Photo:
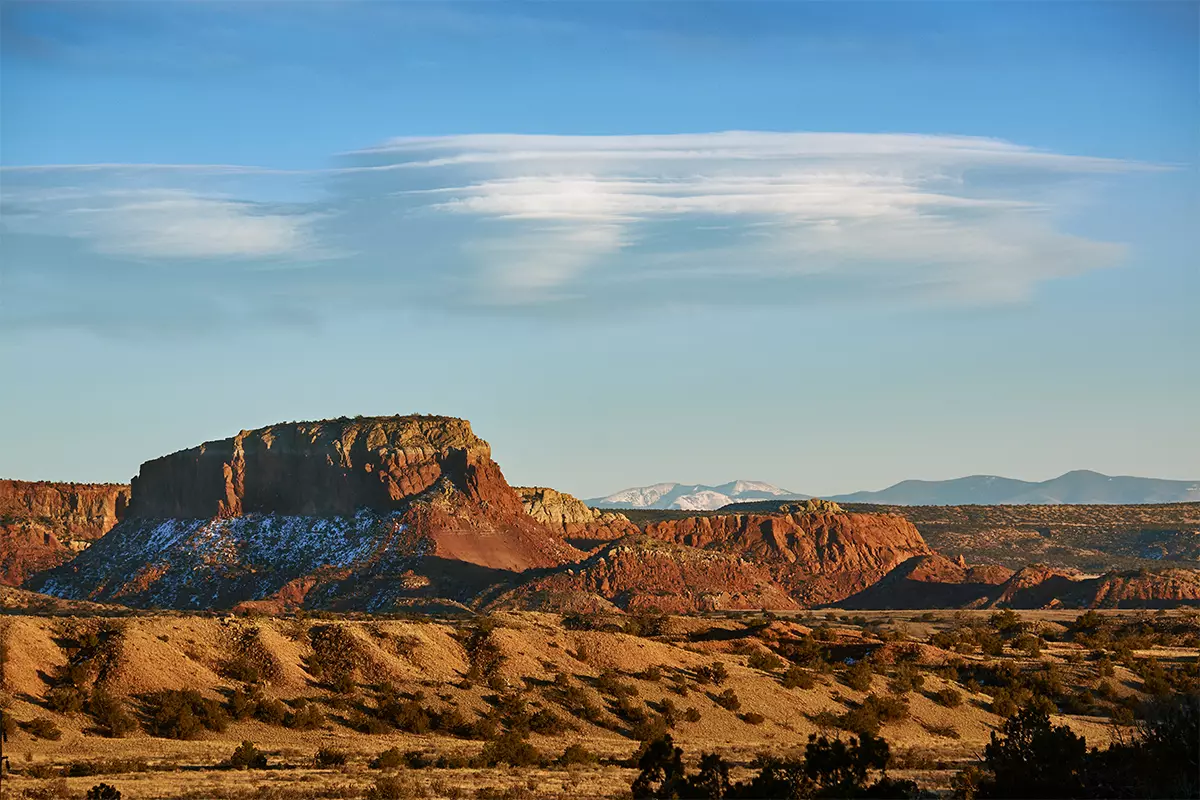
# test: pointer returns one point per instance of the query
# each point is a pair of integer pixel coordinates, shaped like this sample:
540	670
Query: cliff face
45	524
577	522
818	557
328	467
348	514
639	572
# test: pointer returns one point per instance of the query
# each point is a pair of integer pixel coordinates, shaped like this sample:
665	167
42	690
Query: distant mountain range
694	496
1074	488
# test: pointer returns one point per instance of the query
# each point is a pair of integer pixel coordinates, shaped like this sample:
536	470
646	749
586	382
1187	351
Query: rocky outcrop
1166	588
44	524
930	581
640	572
342	514
1037	586
818	557
579	524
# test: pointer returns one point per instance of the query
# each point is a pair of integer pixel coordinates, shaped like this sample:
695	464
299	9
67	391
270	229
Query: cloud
159	223
530	224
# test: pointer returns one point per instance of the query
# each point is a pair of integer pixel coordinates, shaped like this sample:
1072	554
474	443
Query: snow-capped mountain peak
693	496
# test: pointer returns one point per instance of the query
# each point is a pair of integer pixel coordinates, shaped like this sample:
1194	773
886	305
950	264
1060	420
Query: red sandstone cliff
818	557
45	524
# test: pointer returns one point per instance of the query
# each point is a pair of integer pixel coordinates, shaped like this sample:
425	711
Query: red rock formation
930	581
45	524
580	525
640	572
327	467
1038	586
818	557
330	514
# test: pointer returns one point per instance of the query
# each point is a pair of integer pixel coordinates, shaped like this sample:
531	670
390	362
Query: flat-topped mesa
325	467
347	514
85	510
44	524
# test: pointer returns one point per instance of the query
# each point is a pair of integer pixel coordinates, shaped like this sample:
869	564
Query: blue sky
830	246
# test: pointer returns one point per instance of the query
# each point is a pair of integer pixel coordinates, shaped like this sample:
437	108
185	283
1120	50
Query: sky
831	246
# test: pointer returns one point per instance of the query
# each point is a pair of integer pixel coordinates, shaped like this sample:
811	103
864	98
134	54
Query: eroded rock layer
817	557
44	524
573	517
640	572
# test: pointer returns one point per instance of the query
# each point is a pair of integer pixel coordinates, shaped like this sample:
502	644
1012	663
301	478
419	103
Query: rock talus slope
351	513
44	524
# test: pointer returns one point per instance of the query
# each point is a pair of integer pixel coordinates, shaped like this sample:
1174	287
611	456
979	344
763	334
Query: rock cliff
931	581
348	514
640	572
45	524
818	557
579	524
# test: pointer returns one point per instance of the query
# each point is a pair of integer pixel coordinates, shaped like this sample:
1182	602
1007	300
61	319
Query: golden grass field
431	661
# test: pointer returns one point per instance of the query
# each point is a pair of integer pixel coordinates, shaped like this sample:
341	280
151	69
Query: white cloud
163	223
962	216
527	222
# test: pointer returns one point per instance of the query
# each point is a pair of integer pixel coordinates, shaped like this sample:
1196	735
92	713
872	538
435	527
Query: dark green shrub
648	729
650	622
753	718
691	714
242	703
653	674
109	712
103	791
307	717
716	673
765	661
858	676
394	787
391	758
65	699
43	728
510	748
184	714
798	678
247	756
948	697
548	723
728	699
576	754
330	757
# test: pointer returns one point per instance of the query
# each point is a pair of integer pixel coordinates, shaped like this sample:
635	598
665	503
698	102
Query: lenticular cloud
536	223
552	218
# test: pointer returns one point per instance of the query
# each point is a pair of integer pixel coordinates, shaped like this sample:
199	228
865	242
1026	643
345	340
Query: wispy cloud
539	222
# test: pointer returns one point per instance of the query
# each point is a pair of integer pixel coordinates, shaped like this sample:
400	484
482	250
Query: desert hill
348	513
44	524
